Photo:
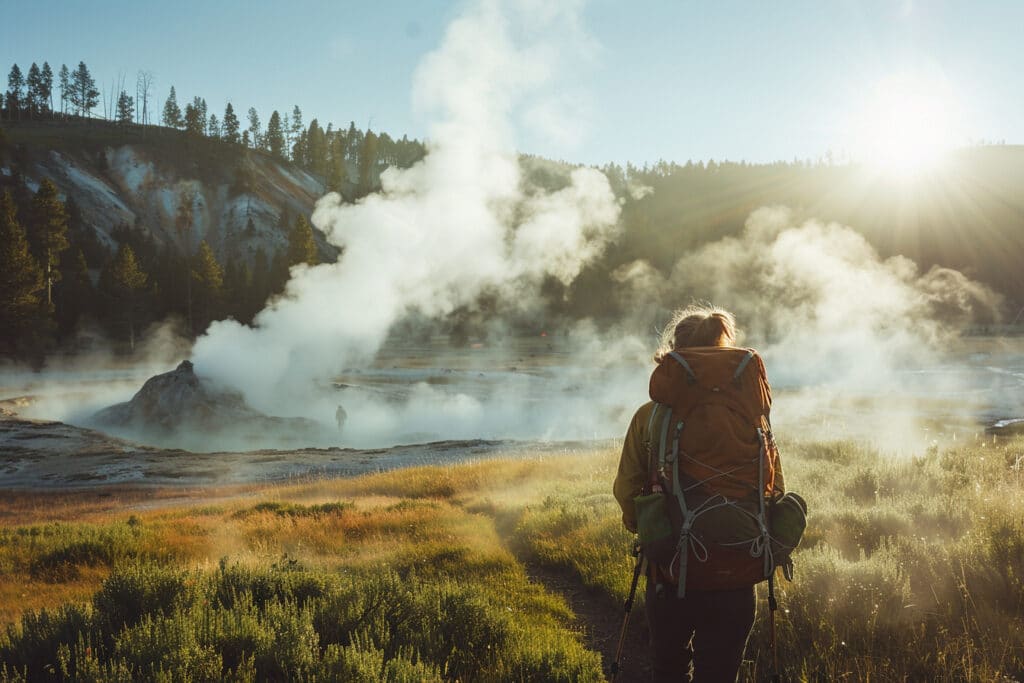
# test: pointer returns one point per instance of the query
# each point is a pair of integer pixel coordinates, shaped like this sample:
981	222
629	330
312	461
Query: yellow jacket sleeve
780	480
633	465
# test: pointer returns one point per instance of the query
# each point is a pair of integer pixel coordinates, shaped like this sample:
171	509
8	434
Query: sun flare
906	126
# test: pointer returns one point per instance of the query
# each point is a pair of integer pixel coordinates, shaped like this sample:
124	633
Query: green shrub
375	605
282	509
285	581
82	664
57	551
33	648
62	563
143	590
862	486
363	662
167	647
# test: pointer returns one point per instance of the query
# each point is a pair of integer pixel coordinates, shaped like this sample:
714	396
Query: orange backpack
713	459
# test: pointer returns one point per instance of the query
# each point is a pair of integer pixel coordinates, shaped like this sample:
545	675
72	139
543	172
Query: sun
906	125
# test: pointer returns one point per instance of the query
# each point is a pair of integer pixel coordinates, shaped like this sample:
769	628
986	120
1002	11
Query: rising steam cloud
455	225
821	300
833	319
845	332
841	328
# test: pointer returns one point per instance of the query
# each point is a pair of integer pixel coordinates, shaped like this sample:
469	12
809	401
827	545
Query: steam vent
180	399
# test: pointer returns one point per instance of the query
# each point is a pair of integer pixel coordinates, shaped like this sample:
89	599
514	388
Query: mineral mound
181	399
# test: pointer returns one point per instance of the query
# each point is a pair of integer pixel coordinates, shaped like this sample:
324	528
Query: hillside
967	215
141	177
950	236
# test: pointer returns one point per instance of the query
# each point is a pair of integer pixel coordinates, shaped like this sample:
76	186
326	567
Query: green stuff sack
788	522
654	526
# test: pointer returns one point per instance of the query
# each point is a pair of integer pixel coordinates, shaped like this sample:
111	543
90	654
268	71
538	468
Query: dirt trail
600	619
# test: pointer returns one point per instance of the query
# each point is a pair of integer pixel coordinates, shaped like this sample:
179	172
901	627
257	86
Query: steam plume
836	321
438	234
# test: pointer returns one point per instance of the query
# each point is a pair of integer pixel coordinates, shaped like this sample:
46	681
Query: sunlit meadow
911	569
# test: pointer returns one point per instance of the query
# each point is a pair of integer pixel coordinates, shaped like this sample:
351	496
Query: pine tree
337	170
301	244
354	138
34	86
200	103
254	128
296	132
230	125
65	88
275	136
84	95
46	88
213	127
48	232
123	282
368	164
316	148
172	112
386	151
194	120
21	282
300	154
207	285
15	94
125	108
74	296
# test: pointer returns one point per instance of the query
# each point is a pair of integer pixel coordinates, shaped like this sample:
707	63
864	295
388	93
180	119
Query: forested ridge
64	274
325	151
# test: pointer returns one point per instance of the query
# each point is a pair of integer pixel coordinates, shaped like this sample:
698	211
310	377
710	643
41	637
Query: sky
752	81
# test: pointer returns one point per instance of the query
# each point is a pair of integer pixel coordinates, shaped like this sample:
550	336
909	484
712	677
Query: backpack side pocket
654	526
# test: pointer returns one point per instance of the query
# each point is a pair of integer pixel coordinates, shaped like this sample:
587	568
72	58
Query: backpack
705	517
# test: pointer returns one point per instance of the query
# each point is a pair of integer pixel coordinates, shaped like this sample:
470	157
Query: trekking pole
628	607
773	605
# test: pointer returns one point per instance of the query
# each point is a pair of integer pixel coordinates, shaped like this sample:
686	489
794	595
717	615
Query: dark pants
700	637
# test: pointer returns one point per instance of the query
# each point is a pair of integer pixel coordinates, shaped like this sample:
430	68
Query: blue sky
757	81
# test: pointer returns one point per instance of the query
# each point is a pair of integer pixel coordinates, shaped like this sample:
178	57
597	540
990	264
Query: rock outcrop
180	399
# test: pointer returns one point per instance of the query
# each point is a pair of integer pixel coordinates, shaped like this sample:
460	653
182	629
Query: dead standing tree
110	97
143	89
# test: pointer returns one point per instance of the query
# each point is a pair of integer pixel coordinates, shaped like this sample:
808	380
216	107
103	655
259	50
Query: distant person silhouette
341	417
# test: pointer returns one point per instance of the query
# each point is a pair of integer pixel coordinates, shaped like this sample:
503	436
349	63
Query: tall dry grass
911	569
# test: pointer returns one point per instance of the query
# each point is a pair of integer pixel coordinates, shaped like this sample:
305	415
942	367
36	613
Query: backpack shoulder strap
658	442
690	376
743	366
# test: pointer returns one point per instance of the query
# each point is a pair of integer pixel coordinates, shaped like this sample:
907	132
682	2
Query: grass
911	569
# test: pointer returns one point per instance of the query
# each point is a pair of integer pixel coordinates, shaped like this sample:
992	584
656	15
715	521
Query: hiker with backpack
698	480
